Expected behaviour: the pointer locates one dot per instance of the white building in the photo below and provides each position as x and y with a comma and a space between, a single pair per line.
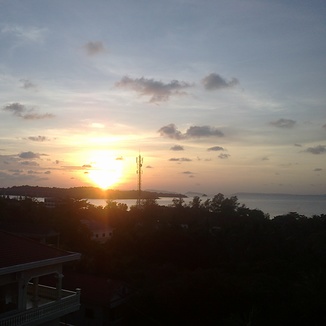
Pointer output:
23, 298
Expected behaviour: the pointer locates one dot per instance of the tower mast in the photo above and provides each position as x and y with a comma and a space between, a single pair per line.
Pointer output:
139, 162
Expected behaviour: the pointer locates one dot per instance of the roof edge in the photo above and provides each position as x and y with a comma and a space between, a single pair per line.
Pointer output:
72, 256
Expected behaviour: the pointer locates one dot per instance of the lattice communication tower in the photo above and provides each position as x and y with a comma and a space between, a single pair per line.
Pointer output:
139, 162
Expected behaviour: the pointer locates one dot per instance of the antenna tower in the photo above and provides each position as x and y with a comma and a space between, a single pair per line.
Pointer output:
139, 162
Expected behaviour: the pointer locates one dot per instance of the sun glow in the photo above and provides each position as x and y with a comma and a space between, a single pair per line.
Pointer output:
105, 171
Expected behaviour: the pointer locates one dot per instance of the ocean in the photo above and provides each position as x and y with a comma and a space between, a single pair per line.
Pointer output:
273, 204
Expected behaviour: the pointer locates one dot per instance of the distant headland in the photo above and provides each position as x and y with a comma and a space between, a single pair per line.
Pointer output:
82, 193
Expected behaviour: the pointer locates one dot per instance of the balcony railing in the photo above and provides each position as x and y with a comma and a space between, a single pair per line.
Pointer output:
69, 302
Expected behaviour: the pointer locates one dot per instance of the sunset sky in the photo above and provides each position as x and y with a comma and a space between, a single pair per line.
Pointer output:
216, 96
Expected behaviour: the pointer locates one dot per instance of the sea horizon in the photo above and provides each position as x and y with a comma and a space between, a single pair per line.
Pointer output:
272, 204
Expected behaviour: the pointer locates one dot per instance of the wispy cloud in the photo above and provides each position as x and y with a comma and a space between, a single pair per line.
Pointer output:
25, 33
215, 148
27, 84
224, 156
20, 110
29, 163
157, 90
29, 155
37, 116
320, 149
214, 82
38, 138
171, 131
94, 48
177, 148
283, 123
182, 159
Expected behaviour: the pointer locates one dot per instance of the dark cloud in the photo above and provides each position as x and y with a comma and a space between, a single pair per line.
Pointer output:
283, 123
94, 48
87, 166
37, 116
157, 90
182, 159
38, 138
318, 169
47, 172
224, 156
33, 172
120, 158
214, 81
21, 111
203, 131
27, 84
324, 126
15, 108
187, 172
15, 171
215, 148
171, 131
29, 155
149, 167
320, 149
297, 145
177, 148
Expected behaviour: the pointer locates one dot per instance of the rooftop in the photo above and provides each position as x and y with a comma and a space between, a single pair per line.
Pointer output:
18, 253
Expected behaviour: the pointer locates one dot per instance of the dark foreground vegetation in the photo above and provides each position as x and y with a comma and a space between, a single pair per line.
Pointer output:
212, 262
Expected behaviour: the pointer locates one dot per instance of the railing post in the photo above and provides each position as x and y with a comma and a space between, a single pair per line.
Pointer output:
59, 278
78, 291
35, 296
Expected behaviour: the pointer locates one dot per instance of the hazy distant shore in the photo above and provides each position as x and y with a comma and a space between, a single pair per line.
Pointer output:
82, 192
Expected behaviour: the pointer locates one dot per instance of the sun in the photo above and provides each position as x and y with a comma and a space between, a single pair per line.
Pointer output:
105, 171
